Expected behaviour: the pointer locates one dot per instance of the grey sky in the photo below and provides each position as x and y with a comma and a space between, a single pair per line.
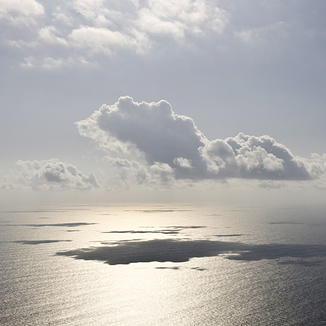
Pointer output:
255, 67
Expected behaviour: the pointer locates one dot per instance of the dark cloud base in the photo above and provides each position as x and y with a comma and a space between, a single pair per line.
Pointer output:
178, 251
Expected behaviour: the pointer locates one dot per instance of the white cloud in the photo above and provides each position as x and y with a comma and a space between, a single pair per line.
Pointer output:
176, 18
20, 11
130, 25
316, 164
182, 162
152, 128
88, 8
163, 137
131, 173
28, 63
49, 35
265, 33
264, 158
48, 175
99, 40
88, 28
105, 27
51, 63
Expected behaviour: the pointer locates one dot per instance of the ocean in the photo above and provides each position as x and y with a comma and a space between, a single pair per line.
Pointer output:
163, 264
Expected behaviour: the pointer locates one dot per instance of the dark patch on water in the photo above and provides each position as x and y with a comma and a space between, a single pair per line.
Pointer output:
198, 269
178, 250
165, 230
38, 211
302, 262
142, 231
287, 222
157, 210
69, 225
36, 242
228, 235
294, 223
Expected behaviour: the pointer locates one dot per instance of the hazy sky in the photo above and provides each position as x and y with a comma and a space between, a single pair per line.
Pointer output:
153, 99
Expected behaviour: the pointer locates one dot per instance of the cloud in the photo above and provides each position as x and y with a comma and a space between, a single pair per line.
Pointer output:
48, 175
99, 40
263, 156
316, 165
49, 34
83, 28
18, 12
268, 184
131, 172
266, 33
100, 28
176, 19
151, 128
164, 141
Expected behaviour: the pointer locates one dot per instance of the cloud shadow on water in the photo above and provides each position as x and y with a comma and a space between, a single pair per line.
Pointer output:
295, 223
157, 210
287, 222
36, 242
69, 225
179, 250
228, 235
306, 263
167, 230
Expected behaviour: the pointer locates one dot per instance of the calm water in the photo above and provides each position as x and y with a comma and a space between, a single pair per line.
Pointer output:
163, 265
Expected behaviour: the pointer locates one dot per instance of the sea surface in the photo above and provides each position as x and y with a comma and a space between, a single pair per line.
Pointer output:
161, 264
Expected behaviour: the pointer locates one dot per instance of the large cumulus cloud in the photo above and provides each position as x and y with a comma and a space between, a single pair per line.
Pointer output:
155, 133
48, 175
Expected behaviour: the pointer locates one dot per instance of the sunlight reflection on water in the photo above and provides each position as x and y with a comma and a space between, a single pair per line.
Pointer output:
253, 266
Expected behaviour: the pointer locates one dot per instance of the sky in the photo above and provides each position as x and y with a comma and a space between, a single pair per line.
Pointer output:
105, 100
